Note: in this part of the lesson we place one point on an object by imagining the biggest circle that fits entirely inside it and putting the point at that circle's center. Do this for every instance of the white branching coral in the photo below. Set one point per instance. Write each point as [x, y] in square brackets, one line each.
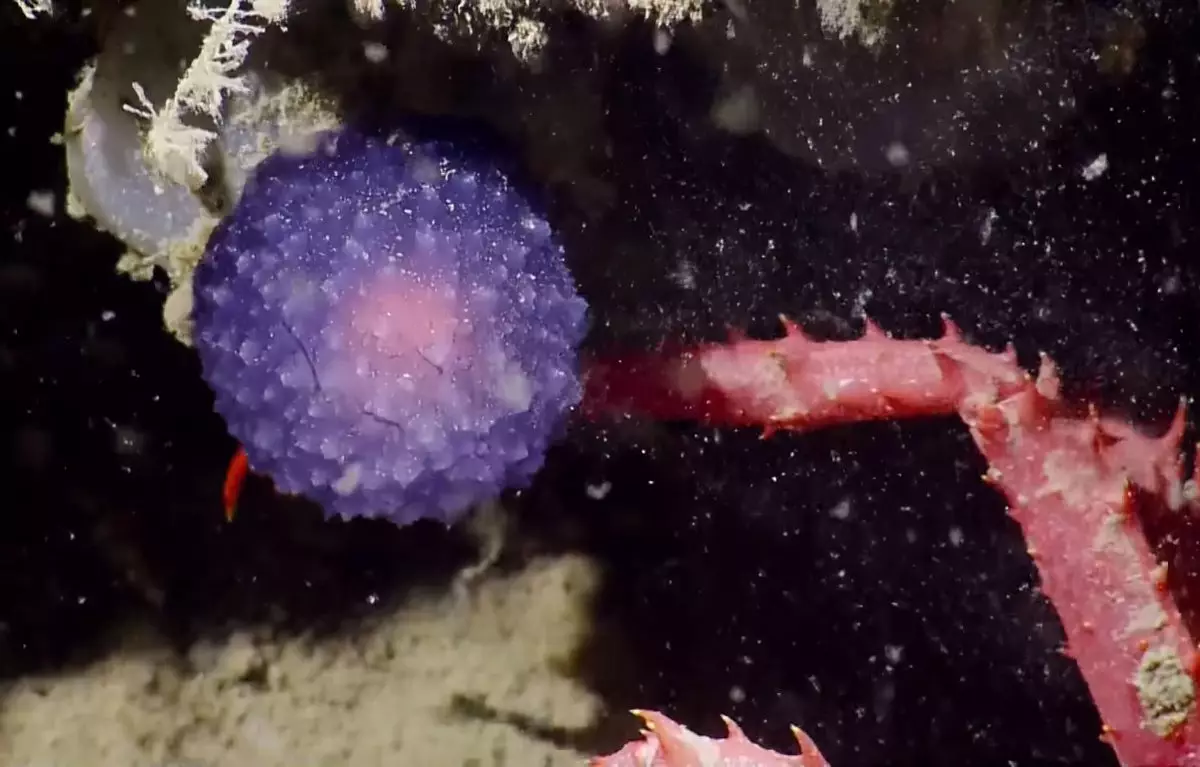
[864, 20]
[668, 13]
[34, 8]
[370, 9]
[174, 144]
[521, 22]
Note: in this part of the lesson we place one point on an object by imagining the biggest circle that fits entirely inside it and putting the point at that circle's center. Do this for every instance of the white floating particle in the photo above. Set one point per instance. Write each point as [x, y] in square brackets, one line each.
[598, 492]
[684, 275]
[376, 53]
[985, 231]
[956, 536]
[42, 202]
[897, 154]
[841, 510]
[662, 41]
[1096, 168]
[737, 112]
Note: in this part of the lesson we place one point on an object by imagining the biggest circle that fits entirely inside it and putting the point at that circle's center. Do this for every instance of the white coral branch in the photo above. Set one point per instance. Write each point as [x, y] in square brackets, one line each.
[34, 8]
[172, 145]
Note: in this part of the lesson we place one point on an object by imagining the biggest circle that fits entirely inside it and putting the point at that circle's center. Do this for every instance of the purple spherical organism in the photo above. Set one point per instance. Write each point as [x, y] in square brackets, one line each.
[389, 327]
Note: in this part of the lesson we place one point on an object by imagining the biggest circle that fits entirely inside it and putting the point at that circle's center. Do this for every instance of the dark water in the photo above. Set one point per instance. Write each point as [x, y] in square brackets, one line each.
[862, 582]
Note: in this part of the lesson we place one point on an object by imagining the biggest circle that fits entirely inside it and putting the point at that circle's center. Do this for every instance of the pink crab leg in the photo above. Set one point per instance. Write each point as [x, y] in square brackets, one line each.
[800, 384]
[1081, 487]
[666, 743]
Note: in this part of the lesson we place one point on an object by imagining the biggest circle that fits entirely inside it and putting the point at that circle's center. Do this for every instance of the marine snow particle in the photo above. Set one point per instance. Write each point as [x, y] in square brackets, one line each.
[389, 327]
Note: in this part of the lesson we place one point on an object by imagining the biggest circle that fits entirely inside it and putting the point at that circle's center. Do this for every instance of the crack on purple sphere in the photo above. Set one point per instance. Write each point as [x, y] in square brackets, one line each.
[307, 357]
[381, 419]
[389, 327]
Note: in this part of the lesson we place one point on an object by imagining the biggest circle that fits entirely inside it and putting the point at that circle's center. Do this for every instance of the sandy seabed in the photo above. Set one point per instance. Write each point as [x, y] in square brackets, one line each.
[381, 694]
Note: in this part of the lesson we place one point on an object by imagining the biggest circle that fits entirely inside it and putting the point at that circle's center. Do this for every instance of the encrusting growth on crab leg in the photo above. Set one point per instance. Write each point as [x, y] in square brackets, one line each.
[1081, 486]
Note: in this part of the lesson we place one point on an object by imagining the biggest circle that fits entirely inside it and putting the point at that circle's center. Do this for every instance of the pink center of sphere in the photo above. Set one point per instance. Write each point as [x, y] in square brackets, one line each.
[404, 334]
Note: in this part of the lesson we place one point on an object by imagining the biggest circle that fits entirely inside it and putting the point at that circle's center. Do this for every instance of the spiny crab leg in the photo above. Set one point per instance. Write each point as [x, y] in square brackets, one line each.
[1080, 485]
[1080, 488]
[796, 383]
[666, 743]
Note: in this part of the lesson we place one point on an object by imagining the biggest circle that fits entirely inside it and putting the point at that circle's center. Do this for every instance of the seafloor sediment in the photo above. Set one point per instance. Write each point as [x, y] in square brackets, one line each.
[398, 689]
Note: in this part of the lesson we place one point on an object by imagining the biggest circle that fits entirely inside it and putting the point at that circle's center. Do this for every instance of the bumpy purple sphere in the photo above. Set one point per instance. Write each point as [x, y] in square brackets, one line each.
[389, 327]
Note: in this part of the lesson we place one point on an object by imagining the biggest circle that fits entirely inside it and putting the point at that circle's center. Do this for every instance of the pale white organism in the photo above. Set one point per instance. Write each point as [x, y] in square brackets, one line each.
[175, 143]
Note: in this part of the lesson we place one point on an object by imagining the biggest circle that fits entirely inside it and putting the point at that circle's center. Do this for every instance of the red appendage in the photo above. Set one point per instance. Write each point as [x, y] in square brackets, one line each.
[235, 477]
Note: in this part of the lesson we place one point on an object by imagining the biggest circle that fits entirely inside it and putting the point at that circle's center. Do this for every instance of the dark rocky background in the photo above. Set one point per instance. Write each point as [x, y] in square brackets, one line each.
[862, 582]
